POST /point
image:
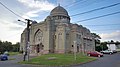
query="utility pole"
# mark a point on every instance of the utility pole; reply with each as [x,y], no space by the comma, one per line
[28,38]
[27,46]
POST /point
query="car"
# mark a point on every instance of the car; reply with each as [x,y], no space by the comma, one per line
[95,54]
[107,52]
[114,51]
[3,57]
[6,53]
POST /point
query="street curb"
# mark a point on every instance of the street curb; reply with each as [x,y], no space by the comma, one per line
[61,65]
[84,62]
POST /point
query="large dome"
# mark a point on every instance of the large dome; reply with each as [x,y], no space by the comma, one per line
[59,11]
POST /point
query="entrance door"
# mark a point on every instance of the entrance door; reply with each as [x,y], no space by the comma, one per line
[38,48]
[77,48]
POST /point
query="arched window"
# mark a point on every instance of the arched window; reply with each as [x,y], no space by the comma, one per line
[38,36]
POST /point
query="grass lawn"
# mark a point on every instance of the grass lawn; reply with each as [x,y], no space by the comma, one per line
[58,60]
[13,53]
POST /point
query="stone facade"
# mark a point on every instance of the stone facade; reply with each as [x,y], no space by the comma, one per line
[56,35]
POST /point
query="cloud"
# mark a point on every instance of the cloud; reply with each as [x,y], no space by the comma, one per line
[10,31]
[20,23]
[36,6]
[10,28]
[15,28]
[41,4]
[111,36]
[32,13]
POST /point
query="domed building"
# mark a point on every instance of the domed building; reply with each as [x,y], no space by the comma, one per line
[57,35]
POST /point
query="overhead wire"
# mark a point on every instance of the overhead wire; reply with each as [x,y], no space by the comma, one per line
[103,25]
[11,10]
[98,17]
[68,5]
[86,3]
[104,29]
[95,9]
[76,14]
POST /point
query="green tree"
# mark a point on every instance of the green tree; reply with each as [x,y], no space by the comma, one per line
[117,42]
[103,45]
[7,46]
[1,49]
[16,47]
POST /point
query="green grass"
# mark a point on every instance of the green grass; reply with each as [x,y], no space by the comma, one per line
[13,53]
[12,59]
[59,59]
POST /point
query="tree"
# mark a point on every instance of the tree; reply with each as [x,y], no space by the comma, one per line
[112,41]
[16,47]
[117,42]
[7,46]
[103,45]
[0,46]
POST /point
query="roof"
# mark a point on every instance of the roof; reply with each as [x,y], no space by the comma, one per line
[59,11]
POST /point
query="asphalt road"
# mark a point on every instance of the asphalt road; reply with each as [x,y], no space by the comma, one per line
[14,62]
[106,61]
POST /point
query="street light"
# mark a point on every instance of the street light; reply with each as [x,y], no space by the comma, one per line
[22,21]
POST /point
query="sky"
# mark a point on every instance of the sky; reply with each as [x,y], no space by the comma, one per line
[108,27]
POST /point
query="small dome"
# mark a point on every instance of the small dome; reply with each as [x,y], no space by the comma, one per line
[59,11]
[34,22]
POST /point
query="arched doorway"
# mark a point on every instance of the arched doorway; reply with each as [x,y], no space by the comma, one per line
[39,47]
[38,39]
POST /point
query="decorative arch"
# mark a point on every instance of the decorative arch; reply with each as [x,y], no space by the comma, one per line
[38,36]
[38,39]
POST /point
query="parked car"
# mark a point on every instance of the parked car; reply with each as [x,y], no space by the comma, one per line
[95,54]
[3,57]
[6,53]
[107,52]
[114,51]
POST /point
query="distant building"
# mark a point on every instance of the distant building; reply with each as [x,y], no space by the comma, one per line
[113,46]
[56,35]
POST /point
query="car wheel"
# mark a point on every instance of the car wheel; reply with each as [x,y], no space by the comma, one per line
[99,56]
[110,53]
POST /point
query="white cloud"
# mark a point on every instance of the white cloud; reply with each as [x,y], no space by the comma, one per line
[10,28]
[41,4]
[33,13]
[111,36]
[36,6]
[10,31]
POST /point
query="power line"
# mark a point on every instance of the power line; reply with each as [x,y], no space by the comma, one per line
[11,10]
[73,3]
[99,17]
[105,29]
[96,9]
[86,4]
[103,25]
